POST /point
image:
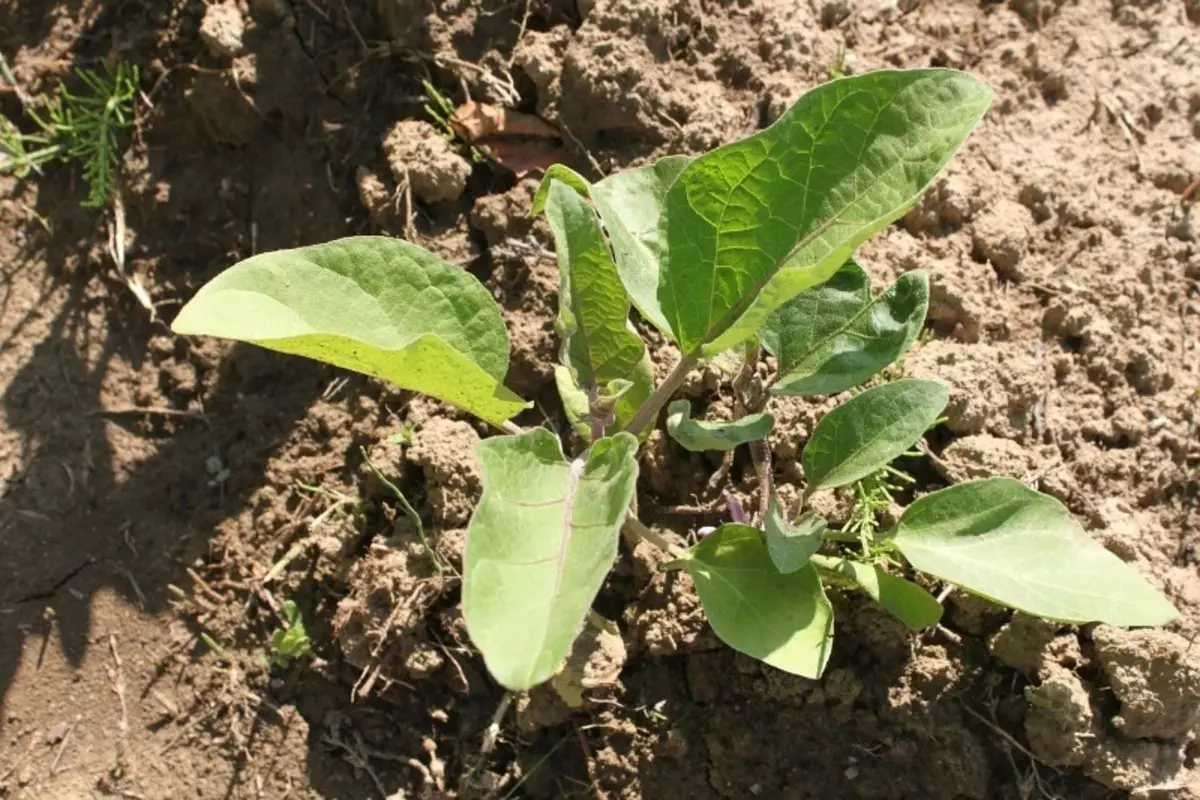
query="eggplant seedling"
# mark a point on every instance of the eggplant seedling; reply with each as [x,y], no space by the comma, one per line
[746,248]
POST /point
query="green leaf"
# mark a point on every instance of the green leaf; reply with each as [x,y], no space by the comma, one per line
[794,329]
[869,430]
[539,546]
[784,620]
[822,349]
[698,435]
[630,204]
[789,544]
[593,307]
[576,405]
[378,306]
[907,601]
[752,224]
[563,174]
[1001,540]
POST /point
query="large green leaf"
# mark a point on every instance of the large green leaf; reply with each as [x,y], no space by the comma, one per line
[631,203]
[374,305]
[593,311]
[910,603]
[752,224]
[1000,539]
[540,544]
[824,347]
[869,430]
[698,435]
[784,620]
[792,544]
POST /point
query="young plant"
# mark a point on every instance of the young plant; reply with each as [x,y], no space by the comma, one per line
[83,128]
[290,641]
[749,246]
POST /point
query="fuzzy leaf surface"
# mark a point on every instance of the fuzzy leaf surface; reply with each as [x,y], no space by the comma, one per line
[752,224]
[870,430]
[782,619]
[539,546]
[1002,540]
[698,435]
[631,205]
[792,544]
[379,306]
[576,405]
[823,350]
[593,315]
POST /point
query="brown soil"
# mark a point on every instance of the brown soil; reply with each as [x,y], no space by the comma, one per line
[154,490]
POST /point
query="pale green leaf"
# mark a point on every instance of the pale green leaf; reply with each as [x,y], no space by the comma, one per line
[750,225]
[1002,540]
[539,546]
[782,619]
[630,399]
[593,307]
[698,435]
[792,544]
[866,341]
[378,306]
[907,601]
[630,204]
[869,430]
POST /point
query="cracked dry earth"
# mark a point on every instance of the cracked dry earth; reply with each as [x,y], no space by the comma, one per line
[161,497]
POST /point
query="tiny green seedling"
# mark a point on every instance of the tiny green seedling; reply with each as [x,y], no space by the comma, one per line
[746,248]
[79,127]
[290,641]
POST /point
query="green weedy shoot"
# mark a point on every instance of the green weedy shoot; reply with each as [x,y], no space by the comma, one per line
[290,641]
[746,248]
[83,128]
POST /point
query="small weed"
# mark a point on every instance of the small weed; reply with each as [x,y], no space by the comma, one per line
[290,642]
[82,128]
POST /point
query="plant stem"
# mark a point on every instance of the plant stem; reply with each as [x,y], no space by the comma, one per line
[634,526]
[649,410]
[839,536]
[760,453]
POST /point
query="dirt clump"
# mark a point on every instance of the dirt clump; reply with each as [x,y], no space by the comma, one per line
[444,449]
[1156,677]
[420,156]
[222,30]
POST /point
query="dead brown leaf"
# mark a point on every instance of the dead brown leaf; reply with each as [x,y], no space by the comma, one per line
[522,143]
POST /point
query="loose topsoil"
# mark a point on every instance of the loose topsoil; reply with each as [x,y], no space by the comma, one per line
[161,497]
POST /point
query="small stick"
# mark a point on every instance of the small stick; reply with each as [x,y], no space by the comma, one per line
[62,746]
[118,676]
[640,531]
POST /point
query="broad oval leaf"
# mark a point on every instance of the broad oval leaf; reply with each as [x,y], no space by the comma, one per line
[792,544]
[878,333]
[539,546]
[907,601]
[698,435]
[870,430]
[378,306]
[593,308]
[752,224]
[783,620]
[999,539]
